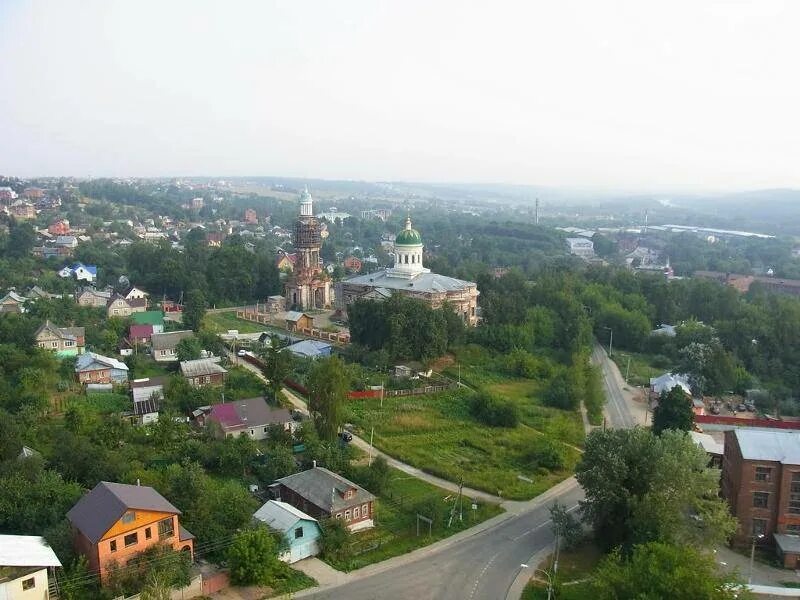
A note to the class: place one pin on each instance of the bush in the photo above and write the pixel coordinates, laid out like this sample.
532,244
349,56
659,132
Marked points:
253,557
563,392
544,455
335,540
494,411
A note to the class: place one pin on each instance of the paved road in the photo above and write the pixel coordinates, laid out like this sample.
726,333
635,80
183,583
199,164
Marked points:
483,566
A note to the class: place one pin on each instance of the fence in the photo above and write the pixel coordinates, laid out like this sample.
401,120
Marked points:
735,421
193,590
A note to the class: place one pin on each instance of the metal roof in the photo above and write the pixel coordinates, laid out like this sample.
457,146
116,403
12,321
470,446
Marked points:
97,511
26,551
166,341
774,446
200,367
421,282
309,348
281,516
86,359
667,381
324,489
250,412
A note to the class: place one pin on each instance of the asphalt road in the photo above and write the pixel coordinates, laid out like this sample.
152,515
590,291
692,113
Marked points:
485,565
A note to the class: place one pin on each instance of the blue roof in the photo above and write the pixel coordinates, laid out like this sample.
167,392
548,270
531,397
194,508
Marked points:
91,268
311,348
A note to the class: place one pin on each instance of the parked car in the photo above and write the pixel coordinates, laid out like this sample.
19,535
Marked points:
241,353
741,408
346,436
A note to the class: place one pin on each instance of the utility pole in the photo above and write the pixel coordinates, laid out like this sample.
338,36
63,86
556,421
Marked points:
371,433
627,369
458,501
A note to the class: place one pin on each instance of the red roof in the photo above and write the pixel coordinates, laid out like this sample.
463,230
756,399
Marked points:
225,415
141,331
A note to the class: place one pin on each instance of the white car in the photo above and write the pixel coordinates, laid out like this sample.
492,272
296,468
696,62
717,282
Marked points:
241,353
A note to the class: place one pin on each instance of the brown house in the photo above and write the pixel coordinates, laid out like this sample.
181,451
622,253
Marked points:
203,371
297,321
115,522
761,482
324,494
119,306
64,341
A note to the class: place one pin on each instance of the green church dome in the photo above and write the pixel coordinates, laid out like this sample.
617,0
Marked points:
408,236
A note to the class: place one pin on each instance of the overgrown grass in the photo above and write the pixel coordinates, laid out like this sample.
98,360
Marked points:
221,322
574,568
436,433
289,580
642,366
145,366
395,532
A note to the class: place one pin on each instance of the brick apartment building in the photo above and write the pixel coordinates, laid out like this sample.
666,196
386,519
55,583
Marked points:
761,482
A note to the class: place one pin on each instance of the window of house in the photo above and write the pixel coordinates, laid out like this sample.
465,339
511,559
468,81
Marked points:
794,494
760,499
298,533
113,545
364,509
163,352
347,514
356,512
54,344
131,539
338,515
28,584
759,526
68,343
763,473
252,432
129,517
166,528
265,430
148,533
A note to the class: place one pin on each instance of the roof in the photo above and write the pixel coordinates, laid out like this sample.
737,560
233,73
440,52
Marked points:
309,348
294,315
707,443
148,317
408,236
324,488
281,516
421,282
12,295
141,331
667,381
251,412
70,333
200,366
788,543
97,511
184,534
87,358
143,389
90,268
147,406
769,445
164,341
26,551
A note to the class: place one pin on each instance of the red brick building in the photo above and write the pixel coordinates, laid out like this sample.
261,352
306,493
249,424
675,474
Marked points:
324,494
761,482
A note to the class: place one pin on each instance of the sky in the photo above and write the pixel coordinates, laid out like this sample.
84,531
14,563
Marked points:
636,95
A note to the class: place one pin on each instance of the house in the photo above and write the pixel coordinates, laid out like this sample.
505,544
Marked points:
252,416
135,293
35,293
140,334
147,396
310,349
164,344
296,321
761,482
59,227
667,381
80,271
64,341
275,304
711,445
12,302
96,368
118,306
301,533
155,318
214,239
250,216
351,263
22,210
66,241
580,247
203,371
285,262
324,494
24,564
93,297
114,522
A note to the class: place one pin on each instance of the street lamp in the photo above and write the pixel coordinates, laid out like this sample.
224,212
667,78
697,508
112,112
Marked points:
610,340
758,537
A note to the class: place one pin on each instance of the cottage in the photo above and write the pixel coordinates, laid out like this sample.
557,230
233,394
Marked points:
155,318
301,533
286,262
297,321
136,294
165,344
147,396
667,381
24,564
64,341
119,306
79,271
93,297
12,302
114,522
66,241
310,349
252,416
140,334
324,494
96,368
203,371
59,227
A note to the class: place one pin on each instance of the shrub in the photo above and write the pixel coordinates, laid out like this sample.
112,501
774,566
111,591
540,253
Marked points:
335,540
544,455
494,411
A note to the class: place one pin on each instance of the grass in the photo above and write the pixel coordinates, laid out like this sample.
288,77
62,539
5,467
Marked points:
574,566
436,433
145,366
221,322
288,581
642,366
395,532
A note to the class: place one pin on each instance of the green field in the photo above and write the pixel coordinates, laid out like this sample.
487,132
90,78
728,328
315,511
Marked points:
436,433
221,322
642,366
574,569
395,530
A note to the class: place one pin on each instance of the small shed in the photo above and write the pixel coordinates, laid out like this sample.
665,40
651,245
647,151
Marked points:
310,349
300,531
296,321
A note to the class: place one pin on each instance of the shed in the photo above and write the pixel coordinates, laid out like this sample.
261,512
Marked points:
310,349
300,531
296,321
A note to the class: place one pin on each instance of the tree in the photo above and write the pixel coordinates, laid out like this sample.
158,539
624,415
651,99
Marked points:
674,411
657,570
21,237
493,410
335,540
188,349
194,309
327,389
253,557
641,487
566,526
277,366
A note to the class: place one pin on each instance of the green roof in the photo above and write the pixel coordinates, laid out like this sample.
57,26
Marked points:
149,317
408,236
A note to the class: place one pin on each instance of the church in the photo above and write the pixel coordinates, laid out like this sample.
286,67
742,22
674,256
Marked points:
308,286
409,277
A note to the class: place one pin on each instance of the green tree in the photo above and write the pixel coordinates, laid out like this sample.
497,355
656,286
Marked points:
566,526
327,389
674,411
335,540
657,570
21,237
277,366
253,557
641,487
194,309
188,349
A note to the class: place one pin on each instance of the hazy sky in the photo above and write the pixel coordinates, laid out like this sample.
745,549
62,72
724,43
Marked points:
637,95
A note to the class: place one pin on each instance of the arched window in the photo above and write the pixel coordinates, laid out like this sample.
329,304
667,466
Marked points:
413,259
406,258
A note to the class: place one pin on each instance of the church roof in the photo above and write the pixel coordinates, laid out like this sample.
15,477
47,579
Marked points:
408,236
422,282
